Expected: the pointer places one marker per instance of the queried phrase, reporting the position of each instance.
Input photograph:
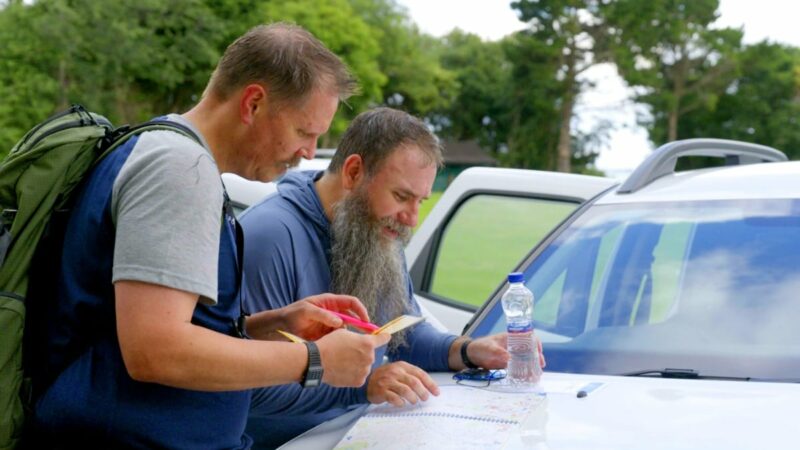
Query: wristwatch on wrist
(464, 357)
(313, 375)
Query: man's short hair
(376, 133)
(287, 59)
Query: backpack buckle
(239, 326)
(7, 217)
(112, 136)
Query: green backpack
(37, 181)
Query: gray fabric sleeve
(167, 207)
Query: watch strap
(465, 357)
(313, 374)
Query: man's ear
(352, 172)
(253, 101)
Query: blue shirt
(92, 400)
(287, 258)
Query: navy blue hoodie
(287, 258)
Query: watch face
(313, 375)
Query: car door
(484, 224)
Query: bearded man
(343, 231)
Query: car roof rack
(662, 161)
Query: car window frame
(481, 313)
(424, 266)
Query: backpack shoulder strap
(117, 137)
(120, 135)
(228, 214)
(164, 124)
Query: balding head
(287, 60)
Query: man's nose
(410, 215)
(309, 151)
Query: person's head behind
(286, 59)
(375, 134)
(285, 86)
(386, 161)
(391, 157)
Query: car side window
(624, 275)
(485, 239)
(652, 293)
(668, 266)
(590, 267)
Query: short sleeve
(167, 208)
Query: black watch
(464, 357)
(313, 375)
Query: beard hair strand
(367, 266)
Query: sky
(609, 99)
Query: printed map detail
(459, 418)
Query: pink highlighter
(355, 322)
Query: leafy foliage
(762, 105)
(134, 59)
(351, 38)
(534, 114)
(129, 59)
(668, 48)
(575, 32)
(481, 108)
(416, 80)
(28, 93)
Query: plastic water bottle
(524, 369)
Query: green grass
(426, 207)
(489, 235)
(486, 238)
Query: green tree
(762, 105)
(335, 23)
(577, 31)
(132, 59)
(395, 64)
(236, 16)
(481, 108)
(533, 122)
(28, 93)
(668, 49)
(416, 81)
(129, 59)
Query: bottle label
(520, 328)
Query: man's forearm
(263, 325)
(426, 348)
(292, 399)
(236, 363)
(159, 344)
(454, 354)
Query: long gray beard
(367, 266)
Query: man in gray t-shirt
(148, 280)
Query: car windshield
(712, 286)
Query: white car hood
(635, 413)
(657, 413)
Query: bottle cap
(515, 277)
